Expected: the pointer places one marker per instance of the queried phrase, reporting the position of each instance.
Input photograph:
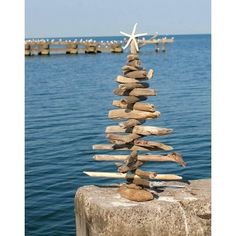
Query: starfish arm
(127, 35)
(139, 35)
(136, 44)
(127, 44)
(134, 29)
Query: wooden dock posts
(130, 133)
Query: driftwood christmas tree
(130, 133)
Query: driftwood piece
(133, 99)
(131, 176)
(133, 85)
(124, 146)
(132, 114)
(137, 106)
(145, 174)
(151, 130)
(143, 92)
(172, 157)
(122, 139)
(141, 182)
(123, 79)
(132, 57)
(131, 123)
(139, 74)
(117, 129)
(150, 73)
(131, 163)
(152, 145)
(138, 195)
(135, 63)
(131, 68)
(121, 91)
(112, 146)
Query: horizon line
(119, 35)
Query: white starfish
(132, 37)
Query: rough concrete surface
(100, 211)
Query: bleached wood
(132, 57)
(122, 139)
(151, 130)
(137, 106)
(145, 174)
(143, 92)
(132, 114)
(152, 145)
(130, 68)
(172, 157)
(131, 176)
(121, 91)
(122, 146)
(133, 99)
(133, 85)
(150, 74)
(115, 129)
(139, 74)
(131, 123)
(123, 79)
(135, 63)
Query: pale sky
(74, 18)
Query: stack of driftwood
(130, 133)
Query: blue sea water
(67, 99)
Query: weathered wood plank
(132, 114)
(143, 92)
(131, 176)
(151, 130)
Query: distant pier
(47, 47)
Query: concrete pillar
(116, 48)
(72, 48)
(44, 49)
(27, 49)
(100, 211)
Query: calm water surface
(67, 101)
